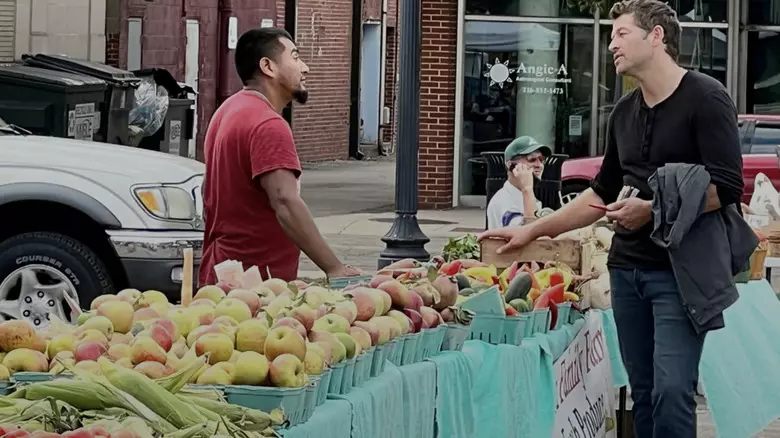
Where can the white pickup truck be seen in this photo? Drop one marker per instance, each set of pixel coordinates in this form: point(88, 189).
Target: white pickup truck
point(84, 219)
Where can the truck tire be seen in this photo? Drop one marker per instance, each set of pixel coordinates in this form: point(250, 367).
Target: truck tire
point(57, 254)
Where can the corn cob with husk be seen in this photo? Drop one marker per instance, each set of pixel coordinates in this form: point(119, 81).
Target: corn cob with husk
point(158, 399)
point(246, 418)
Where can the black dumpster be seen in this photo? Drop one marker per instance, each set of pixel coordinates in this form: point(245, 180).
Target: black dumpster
point(53, 103)
point(119, 98)
point(547, 190)
point(175, 133)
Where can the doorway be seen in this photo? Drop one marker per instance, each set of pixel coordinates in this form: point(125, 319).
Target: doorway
point(370, 80)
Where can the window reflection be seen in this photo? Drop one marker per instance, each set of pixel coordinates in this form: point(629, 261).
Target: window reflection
point(524, 79)
point(764, 12)
point(763, 73)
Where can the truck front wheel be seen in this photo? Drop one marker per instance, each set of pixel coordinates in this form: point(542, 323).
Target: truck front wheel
point(38, 270)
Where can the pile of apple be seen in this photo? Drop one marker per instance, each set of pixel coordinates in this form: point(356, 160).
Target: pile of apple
point(275, 333)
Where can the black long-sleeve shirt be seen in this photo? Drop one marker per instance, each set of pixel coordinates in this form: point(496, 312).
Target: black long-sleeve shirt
point(697, 124)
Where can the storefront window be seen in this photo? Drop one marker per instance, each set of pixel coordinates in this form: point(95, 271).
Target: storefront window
point(711, 11)
point(524, 79)
point(763, 73)
point(702, 50)
point(524, 8)
point(765, 12)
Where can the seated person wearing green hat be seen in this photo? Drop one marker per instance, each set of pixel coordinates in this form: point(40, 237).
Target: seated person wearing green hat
point(515, 202)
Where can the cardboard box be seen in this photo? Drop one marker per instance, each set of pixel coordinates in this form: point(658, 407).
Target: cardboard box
point(543, 250)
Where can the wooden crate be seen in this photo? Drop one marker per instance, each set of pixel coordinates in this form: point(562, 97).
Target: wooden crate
point(559, 250)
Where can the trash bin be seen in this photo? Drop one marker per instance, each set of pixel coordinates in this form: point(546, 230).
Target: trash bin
point(119, 97)
point(53, 103)
point(175, 133)
point(547, 190)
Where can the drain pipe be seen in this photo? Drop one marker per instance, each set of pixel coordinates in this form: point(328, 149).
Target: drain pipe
point(224, 54)
point(382, 72)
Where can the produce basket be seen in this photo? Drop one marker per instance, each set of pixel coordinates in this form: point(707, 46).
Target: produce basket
point(322, 387)
point(5, 387)
point(487, 328)
point(380, 359)
point(363, 368)
point(346, 378)
point(30, 377)
point(342, 282)
point(541, 321)
point(455, 336)
point(292, 401)
point(515, 328)
point(411, 347)
point(310, 398)
point(432, 341)
point(488, 302)
point(396, 350)
point(336, 376)
point(564, 312)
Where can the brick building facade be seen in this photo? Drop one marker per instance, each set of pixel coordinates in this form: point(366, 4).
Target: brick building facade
point(324, 33)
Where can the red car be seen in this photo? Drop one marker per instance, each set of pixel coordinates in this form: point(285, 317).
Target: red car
point(759, 135)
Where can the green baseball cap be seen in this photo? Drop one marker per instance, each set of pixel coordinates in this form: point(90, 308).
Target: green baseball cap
point(523, 146)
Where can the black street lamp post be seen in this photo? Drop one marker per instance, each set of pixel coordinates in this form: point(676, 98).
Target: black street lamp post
point(405, 239)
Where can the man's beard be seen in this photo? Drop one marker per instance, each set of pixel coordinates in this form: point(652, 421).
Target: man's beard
point(301, 96)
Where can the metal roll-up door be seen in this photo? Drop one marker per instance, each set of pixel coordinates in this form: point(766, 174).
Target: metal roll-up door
point(7, 29)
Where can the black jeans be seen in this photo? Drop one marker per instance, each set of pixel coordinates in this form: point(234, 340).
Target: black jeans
point(661, 352)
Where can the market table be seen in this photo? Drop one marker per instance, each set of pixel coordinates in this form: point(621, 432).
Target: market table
point(507, 391)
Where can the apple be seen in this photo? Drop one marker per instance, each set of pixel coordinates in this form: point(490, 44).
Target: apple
point(203, 302)
point(160, 335)
point(379, 279)
point(332, 323)
point(347, 309)
point(337, 350)
point(415, 301)
point(365, 304)
point(277, 286)
point(145, 314)
point(144, 348)
point(184, 321)
point(417, 320)
point(284, 340)
point(314, 363)
point(213, 293)
point(89, 350)
point(322, 348)
point(289, 321)
point(431, 316)
point(403, 320)
point(233, 308)
point(305, 314)
point(399, 294)
point(370, 328)
point(250, 298)
point(315, 296)
point(286, 371)
point(224, 285)
point(361, 337)
point(218, 345)
point(277, 304)
point(169, 326)
point(102, 299)
point(251, 369)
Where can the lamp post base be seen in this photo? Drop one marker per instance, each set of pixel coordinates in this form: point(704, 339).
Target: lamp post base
point(405, 240)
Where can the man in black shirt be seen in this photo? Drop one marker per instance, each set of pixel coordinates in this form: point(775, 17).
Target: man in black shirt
point(675, 116)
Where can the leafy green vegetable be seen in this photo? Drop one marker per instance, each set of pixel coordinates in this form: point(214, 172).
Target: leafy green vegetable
point(463, 247)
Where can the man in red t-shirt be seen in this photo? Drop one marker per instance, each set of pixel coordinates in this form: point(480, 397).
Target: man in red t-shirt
point(252, 204)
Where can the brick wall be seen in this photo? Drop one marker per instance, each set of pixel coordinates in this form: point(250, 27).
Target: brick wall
point(437, 102)
point(112, 49)
point(372, 9)
point(324, 39)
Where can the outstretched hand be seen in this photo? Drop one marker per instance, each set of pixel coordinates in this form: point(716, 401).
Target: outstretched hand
point(515, 237)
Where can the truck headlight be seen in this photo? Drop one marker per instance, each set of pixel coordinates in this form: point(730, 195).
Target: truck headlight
point(166, 202)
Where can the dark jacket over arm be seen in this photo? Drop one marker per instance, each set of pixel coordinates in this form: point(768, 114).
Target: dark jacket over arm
point(706, 249)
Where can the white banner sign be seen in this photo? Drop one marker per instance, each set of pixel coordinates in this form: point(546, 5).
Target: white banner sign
point(585, 403)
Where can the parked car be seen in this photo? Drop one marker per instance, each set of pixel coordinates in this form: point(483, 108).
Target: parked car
point(759, 135)
point(83, 219)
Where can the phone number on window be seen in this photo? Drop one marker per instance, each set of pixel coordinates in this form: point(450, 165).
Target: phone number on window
point(540, 90)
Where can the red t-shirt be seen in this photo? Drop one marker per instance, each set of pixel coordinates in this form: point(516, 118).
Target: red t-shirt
point(245, 139)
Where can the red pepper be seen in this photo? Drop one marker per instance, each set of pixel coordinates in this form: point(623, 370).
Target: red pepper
point(553, 294)
point(556, 278)
point(451, 268)
point(495, 280)
point(553, 314)
point(510, 311)
point(513, 269)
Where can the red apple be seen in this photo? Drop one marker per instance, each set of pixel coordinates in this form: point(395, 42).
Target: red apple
point(431, 317)
point(379, 279)
point(371, 329)
point(415, 301)
point(252, 299)
point(224, 286)
point(90, 350)
point(289, 321)
point(306, 315)
point(417, 320)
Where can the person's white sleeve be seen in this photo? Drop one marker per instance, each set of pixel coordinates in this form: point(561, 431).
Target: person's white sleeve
point(493, 215)
point(504, 210)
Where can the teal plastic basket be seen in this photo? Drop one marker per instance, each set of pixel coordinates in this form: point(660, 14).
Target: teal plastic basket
point(515, 328)
point(322, 386)
point(6, 387)
point(411, 347)
point(380, 359)
point(487, 328)
point(342, 282)
point(564, 313)
point(310, 398)
point(292, 401)
point(541, 321)
point(336, 375)
point(349, 373)
point(487, 302)
point(431, 342)
point(25, 377)
point(396, 350)
point(455, 335)
point(362, 368)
